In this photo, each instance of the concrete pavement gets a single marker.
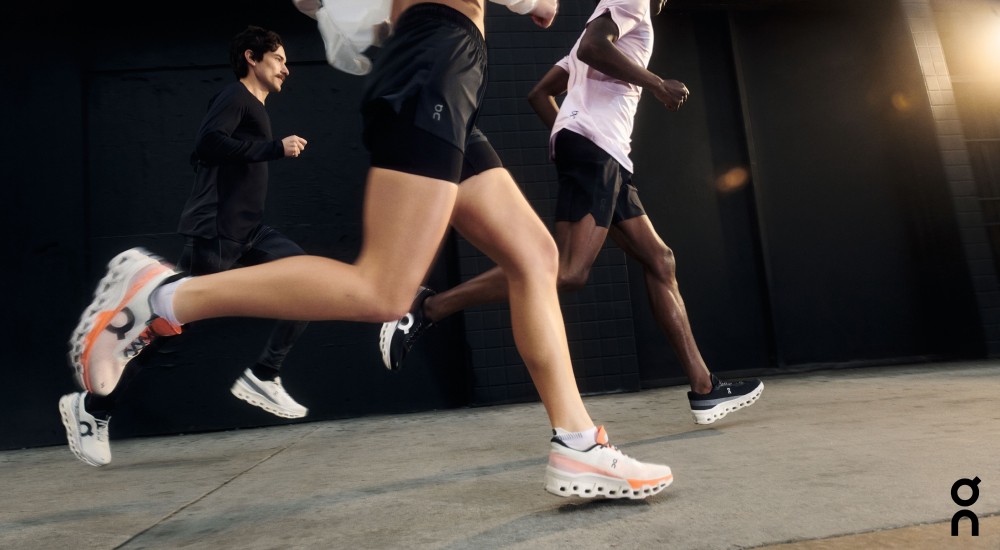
(850, 458)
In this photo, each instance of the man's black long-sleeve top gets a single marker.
(232, 149)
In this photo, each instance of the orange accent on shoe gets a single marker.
(102, 320)
(163, 327)
(569, 465)
(638, 483)
(104, 317)
(602, 436)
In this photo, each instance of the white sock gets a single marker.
(578, 441)
(162, 300)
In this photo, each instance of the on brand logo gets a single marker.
(965, 513)
(121, 331)
(437, 112)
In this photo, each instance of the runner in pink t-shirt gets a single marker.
(603, 77)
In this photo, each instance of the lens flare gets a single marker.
(901, 102)
(732, 179)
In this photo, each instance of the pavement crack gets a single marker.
(216, 489)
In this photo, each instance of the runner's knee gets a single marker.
(546, 256)
(662, 264)
(536, 255)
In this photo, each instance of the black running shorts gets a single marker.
(592, 182)
(422, 97)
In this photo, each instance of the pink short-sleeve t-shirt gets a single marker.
(597, 106)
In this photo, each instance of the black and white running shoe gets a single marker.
(397, 337)
(724, 398)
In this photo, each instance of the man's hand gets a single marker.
(671, 93)
(545, 12)
(294, 145)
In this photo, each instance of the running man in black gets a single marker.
(222, 223)
(603, 77)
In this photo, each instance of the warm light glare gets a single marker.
(990, 44)
(733, 179)
(901, 102)
(973, 36)
(995, 37)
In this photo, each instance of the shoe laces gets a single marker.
(418, 319)
(718, 383)
(422, 325)
(602, 440)
(101, 428)
(417, 328)
(144, 339)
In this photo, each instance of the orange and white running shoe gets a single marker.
(119, 323)
(602, 470)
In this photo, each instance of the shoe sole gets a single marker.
(241, 390)
(385, 341)
(565, 484)
(71, 424)
(96, 317)
(709, 416)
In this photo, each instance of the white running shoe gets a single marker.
(119, 323)
(269, 395)
(87, 436)
(602, 470)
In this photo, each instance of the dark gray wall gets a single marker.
(861, 246)
(838, 249)
(43, 268)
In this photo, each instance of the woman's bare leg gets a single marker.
(492, 213)
(405, 220)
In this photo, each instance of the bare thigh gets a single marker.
(493, 214)
(405, 220)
